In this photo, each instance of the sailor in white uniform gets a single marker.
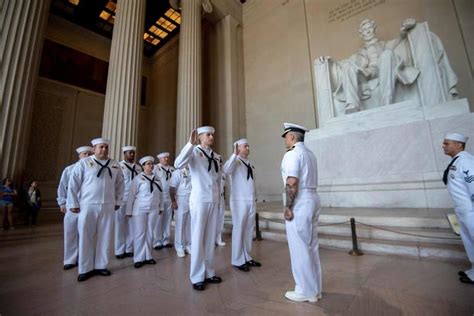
(221, 211)
(241, 172)
(95, 190)
(203, 164)
(302, 207)
(123, 226)
(459, 177)
(71, 235)
(145, 197)
(162, 232)
(180, 190)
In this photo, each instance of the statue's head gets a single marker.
(367, 29)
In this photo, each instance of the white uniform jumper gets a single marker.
(203, 166)
(100, 184)
(181, 181)
(123, 226)
(162, 231)
(461, 189)
(145, 198)
(71, 234)
(242, 205)
(302, 233)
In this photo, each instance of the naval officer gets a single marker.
(203, 164)
(242, 204)
(123, 226)
(71, 235)
(180, 190)
(459, 177)
(95, 190)
(162, 232)
(301, 212)
(145, 198)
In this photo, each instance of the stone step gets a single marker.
(419, 250)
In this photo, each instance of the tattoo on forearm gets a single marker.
(291, 191)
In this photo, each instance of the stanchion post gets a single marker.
(355, 249)
(258, 233)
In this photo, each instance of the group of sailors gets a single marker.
(133, 204)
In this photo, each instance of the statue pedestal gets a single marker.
(389, 156)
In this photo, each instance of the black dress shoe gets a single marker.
(122, 256)
(214, 279)
(159, 247)
(200, 286)
(151, 261)
(462, 274)
(69, 266)
(128, 254)
(466, 280)
(253, 263)
(84, 276)
(103, 272)
(139, 264)
(243, 267)
(168, 246)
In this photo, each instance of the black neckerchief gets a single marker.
(445, 174)
(168, 173)
(102, 167)
(152, 182)
(211, 160)
(249, 169)
(132, 170)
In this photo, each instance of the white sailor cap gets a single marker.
(456, 137)
(147, 158)
(162, 155)
(128, 148)
(205, 129)
(290, 127)
(100, 140)
(241, 142)
(82, 149)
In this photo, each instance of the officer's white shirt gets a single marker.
(127, 175)
(300, 162)
(241, 187)
(141, 198)
(181, 180)
(205, 184)
(63, 183)
(160, 172)
(93, 189)
(461, 183)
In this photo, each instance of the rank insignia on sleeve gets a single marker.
(468, 178)
(453, 168)
(91, 164)
(452, 176)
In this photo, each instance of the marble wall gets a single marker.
(283, 38)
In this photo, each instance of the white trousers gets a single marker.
(162, 231)
(123, 231)
(203, 237)
(303, 243)
(243, 220)
(182, 219)
(466, 223)
(220, 219)
(143, 225)
(71, 238)
(95, 224)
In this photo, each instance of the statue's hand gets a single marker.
(323, 59)
(407, 25)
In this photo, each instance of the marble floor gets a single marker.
(32, 282)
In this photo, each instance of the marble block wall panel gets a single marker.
(391, 167)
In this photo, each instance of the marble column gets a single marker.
(22, 27)
(122, 98)
(189, 101)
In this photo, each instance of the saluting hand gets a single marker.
(193, 138)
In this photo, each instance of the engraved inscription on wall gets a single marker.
(351, 8)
